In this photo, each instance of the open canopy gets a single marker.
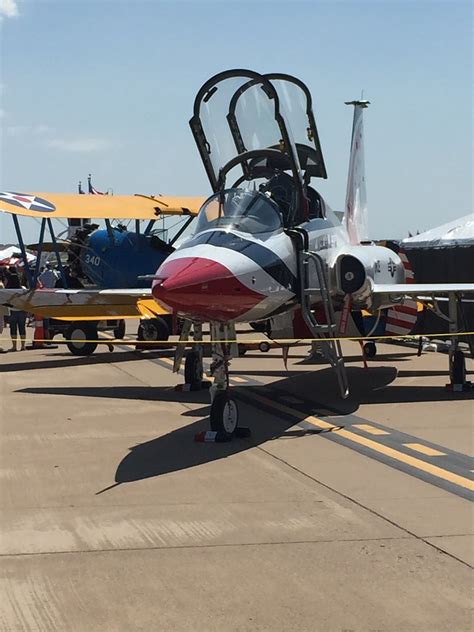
(256, 122)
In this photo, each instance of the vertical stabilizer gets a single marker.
(356, 218)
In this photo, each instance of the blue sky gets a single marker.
(107, 87)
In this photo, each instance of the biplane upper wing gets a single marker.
(76, 206)
(83, 304)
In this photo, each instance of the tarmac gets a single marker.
(335, 515)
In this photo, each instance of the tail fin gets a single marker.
(356, 219)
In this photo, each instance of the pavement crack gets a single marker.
(369, 509)
(207, 546)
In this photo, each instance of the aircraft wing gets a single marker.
(83, 304)
(422, 291)
(76, 206)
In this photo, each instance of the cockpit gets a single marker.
(247, 211)
(259, 144)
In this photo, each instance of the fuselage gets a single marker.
(228, 275)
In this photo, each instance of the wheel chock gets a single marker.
(211, 436)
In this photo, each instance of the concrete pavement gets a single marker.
(112, 518)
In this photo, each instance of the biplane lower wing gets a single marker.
(76, 206)
(83, 304)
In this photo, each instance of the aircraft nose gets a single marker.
(202, 288)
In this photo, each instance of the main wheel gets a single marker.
(79, 336)
(193, 368)
(370, 349)
(153, 330)
(224, 416)
(119, 331)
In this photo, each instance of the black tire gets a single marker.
(224, 415)
(119, 331)
(81, 331)
(370, 349)
(458, 367)
(153, 329)
(193, 372)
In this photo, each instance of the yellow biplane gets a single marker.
(107, 258)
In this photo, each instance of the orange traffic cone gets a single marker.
(39, 335)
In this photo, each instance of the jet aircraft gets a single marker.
(266, 247)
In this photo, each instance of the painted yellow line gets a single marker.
(372, 445)
(236, 378)
(295, 413)
(424, 449)
(370, 429)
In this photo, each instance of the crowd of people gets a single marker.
(14, 278)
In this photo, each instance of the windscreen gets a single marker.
(238, 209)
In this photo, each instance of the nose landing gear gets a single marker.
(224, 415)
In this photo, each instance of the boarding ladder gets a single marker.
(313, 270)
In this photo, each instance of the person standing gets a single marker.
(4, 311)
(47, 280)
(17, 316)
(49, 276)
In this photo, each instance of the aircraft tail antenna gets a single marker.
(356, 217)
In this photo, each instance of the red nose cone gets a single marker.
(204, 289)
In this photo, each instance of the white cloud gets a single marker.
(78, 144)
(17, 130)
(32, 130)
(43, 129)
(8, 8)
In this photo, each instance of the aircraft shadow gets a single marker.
(142, 393)
(65, 360)
(367, 386)
(177, 450)
(427, 373)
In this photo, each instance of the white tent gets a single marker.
(459, 232)
(11, 256)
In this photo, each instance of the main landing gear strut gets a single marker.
(457, 362)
